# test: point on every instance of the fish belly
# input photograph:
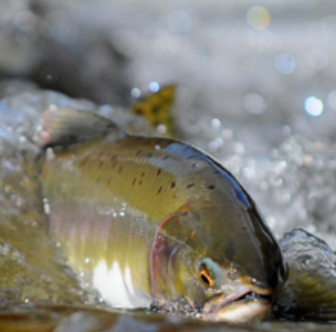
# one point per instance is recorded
(106, 241)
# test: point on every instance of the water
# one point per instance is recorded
(256, 89)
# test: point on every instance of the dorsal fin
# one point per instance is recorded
(66, 126)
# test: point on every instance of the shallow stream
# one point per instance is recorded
(256, 89)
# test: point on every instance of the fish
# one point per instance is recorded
(154, 222)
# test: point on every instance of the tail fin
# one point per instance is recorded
(68, 126)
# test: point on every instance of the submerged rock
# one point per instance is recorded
(309, 292)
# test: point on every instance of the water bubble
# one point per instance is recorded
(258, 18)
(254, 103)
(314, 106)
(284, 64)
(154, 86)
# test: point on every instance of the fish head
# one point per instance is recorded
(221, 261)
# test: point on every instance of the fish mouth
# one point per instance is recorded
(240, 306)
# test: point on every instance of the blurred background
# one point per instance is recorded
(256, 83)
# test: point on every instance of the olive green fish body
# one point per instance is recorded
(148, 220)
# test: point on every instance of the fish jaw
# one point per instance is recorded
(242, 305)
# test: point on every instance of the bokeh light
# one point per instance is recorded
(332, 100)
(258, 18)
(154, 86)
(314, 106)
(254, 103)
(284, 64)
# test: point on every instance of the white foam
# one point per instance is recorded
(110, 283)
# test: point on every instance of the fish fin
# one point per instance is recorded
(159, 254)
(65, 126)
(156, 108)
(171, 235)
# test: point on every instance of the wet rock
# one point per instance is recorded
(308, 294)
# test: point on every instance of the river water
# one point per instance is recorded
(256, 89)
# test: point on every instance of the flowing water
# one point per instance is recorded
(256, 89)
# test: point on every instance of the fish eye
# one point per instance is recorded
(206, 273)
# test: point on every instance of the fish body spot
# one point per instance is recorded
(190, 185)
(159, 190)
(158, 172)
(211, 187)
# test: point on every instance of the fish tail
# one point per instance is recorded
(65, 127)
